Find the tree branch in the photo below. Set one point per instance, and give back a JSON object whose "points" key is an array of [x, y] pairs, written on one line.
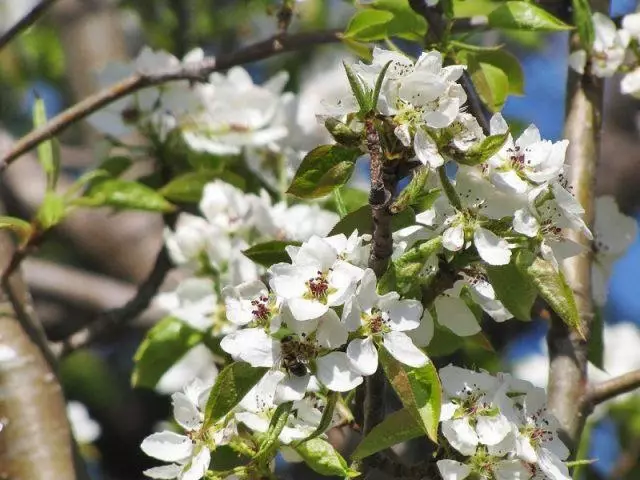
{"points": [[567, 348], [609, 389], [25, 22], [111, 321], [195, 72]]}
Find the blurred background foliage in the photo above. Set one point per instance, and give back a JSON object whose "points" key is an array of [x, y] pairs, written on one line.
{"points": [[58, 58]]}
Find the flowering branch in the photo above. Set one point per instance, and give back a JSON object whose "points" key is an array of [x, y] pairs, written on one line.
{"points": [[604, 391], [112, 320], [29, 19], [195, 72], [568, 348]]}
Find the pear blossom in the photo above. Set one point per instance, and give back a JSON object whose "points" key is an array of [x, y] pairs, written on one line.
{"points": [[316, 280], [529, 161], [84, 428], [472, 412], [189, 241], [608, 49], [226, 206], [196, 363], [194, 301], [381, 320], [613, 233], [487, 466]]}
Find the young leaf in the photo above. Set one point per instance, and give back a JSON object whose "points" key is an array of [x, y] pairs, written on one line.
{"points": [[406, 23], [269, 253], [418, 389], [483, 152], [324, 168], [52, 210], [490, 81], [368, 25], [525, 16], [361, 220], [583, 19], [232, 384], [327, 416], [553, 287], [166, 343], [358, 88], [21, 228], [412, 191], [187, 188], [48, 151], [398, 427], [322, 458], [115, 165], [513, 288], [124, 194], [277, 424], [373, 102], [341, 133], [502, 59]]}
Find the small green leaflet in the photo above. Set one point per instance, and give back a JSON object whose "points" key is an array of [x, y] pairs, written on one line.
{"points": [[232, 384], [277, 424], [49, 150], [362, 221], [525, 16], [188, 187], [418, 389], [21, 228], [322, 458], [125, 195], [52, 210], [269, 253], [412, 191], [583, 19], [327, 416], [513, 288], [396, 428]]}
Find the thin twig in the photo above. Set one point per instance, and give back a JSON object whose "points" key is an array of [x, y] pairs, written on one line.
{"points": [[613, 387], [25, 22], [196, 72], [113, 320]]}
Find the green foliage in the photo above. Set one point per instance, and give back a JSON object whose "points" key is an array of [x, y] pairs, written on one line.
{"points": [[188, 187], [491, 82], [49, 150], [232, 384], [369, 25], [582, 17], [278, 422], [341, 133], [324, 168], [525, 16], [513, 287], [21, 228], [396, 428], [166, 343], [472, 8], [327, 416], [553, 288], [125, 195], [483, 152], [322, 458], [412, 192], [361, 220], [52, 210], [269, 253], [418, 389], [385, 19]]}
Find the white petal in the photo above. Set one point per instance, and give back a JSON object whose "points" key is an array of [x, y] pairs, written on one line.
{"points": [[427, 150], [524, 449], [367, 295], [198, 466], [402, 348], [292, 388], [336, 373], [304, 309], [512, 470], [402, 133], [331, 332], [578, 60], [460, 435], [492, 249], [525, 223], [422, 335], [498, 124], [509, 181], [405, 314], [491, 430], [351, 315], [251, 345], [167, 446], [363, 355], [454, 314], [453, 238], [257, 423], [185, 412], [550, 464], [165, 472], [452, 470]]}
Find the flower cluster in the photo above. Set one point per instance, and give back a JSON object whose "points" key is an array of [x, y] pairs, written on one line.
{"points": [[613, 51], [500, 426]]}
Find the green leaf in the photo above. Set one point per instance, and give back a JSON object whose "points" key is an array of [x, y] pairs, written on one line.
{"points": [[124, 194], [188, 187], [553, 288], [406, 23], [115, 165], [269, 253], [513, 288], [21, 228], [483, 152], [362, 221], [324, 168], [525, 16], [49, 150], [322, 458], [418, 389], [595, 352], [472, 8], [358, 87], [444, 341], [368, 25], [373, 101], [277, 424], [166, 343], [412, 191], [582, 17], [353, 199], [490, 81], [403, 274], [341, 133], [52, 210], [232, 384], [506, 62], [327, 416], [398, 427], [359, 49]]}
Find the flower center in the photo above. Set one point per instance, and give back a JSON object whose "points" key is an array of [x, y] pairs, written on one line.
{"points": [[517, 158], [318, 287], [261, 310], [377, 321]]}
